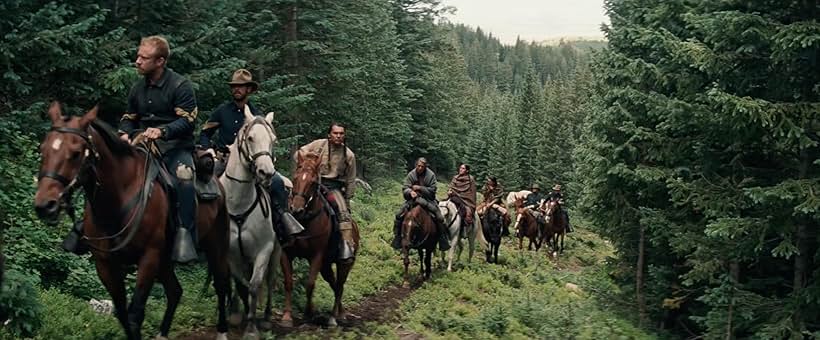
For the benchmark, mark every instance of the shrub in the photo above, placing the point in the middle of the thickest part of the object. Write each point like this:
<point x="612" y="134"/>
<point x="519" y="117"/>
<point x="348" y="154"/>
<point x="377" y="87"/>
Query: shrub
<point x="20" y="309"/>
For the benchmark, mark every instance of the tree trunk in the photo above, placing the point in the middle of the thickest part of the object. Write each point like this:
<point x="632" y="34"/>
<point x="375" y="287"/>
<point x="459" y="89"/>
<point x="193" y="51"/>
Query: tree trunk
<point x="734" y="272"/>
<point x="801" y="238"/>
<point x="639" y="278"/>
<point x="291" y="35"/>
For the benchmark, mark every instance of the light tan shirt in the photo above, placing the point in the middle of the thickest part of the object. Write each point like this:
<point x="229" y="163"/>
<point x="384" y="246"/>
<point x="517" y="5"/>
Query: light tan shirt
<point x="340" y="165"/>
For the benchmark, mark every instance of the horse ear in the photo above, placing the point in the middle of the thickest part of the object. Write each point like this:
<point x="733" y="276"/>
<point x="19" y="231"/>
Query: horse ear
<point x="299" y="156"/>
<point x="269" y="118"/>
<point x="248" y="114"/>
<point x="55" y="112"/>
<point x="90" y="116"/>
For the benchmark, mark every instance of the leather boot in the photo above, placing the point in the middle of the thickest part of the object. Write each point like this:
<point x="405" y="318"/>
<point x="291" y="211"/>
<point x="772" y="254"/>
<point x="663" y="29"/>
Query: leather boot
<point x="184" y="246"/>
<point x="346" y="249"/>
<point x="72" y="242"/>
<point x="444" y="235"/>
<point x="286" y="227"/>
<point x="396" y="244"/>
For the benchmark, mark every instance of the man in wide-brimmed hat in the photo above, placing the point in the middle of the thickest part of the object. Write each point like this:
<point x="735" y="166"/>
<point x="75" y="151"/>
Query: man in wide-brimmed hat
<point x="228" y="118"/>
<point x="535" y="197"/>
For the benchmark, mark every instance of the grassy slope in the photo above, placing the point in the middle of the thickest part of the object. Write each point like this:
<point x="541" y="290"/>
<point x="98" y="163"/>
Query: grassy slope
<point x="523" y="297"/>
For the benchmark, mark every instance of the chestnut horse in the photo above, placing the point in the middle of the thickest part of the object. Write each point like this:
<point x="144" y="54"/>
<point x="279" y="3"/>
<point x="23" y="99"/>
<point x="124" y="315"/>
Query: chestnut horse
<point x="313" y="211"/>
<point x="126" y="218"/>
<point x="555" y="226"/>
<point x="526" y="226"/>
<point x="418" y="231"/>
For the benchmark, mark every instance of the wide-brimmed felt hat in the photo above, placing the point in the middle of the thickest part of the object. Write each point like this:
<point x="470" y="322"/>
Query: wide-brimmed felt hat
<point x="535" y="186"/>
<point x="243" y="77"/>
<point x="557" y="187"/>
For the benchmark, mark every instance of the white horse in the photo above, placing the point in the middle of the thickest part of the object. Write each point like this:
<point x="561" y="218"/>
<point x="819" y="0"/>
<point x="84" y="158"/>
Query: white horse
<point x="453" y="219"/>
<point x="254" y="250"/>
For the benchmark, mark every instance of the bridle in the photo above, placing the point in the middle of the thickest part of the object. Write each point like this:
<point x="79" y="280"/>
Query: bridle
<point x="309" y="195"/>
<point x="90" y="157"/>
<point x="245" y="151"/>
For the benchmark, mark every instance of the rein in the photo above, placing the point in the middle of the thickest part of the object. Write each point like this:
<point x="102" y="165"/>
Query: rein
<point x="244" y="148"/>
<point x="139" y="201"/>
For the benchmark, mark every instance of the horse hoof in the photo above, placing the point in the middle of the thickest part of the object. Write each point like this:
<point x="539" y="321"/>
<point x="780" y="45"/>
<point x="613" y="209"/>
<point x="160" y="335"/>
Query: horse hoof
<point x="235" y="319"/>
<point x="265" y="325"/>
<point x="250" y="332"/>
<point x="286" y="323"/>
<point x="405" y="284"/>
<point x="222" y="336"/>
<point x="331" y="323"/>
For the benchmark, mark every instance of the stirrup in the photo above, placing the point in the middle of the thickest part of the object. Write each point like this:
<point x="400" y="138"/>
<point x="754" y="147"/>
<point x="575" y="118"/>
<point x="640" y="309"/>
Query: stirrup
<point x="184" y="250"/>
<point x="346" y="251"/>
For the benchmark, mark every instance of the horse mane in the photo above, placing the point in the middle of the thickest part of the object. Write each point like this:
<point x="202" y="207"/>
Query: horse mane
<point x="109" y="136"/>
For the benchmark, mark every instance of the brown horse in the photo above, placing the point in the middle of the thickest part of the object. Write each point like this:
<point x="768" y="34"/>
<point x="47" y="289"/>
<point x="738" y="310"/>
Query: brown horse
<point x="418" y="232"/>
<point x="126" y="217"/>
<point x="526" y="226"/>
<point x="313" y="211"/>
<point x="555" y="227"/>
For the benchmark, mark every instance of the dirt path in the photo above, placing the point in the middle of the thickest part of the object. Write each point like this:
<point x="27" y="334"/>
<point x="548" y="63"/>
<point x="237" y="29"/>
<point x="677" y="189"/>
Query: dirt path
<point x="380" y="307"/>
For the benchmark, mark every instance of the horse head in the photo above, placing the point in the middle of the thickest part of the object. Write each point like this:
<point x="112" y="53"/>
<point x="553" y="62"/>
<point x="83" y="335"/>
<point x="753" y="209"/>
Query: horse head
<point x="551" y="208"/>
<point x="255" y="142"/>
<point x="305" y="181"/>
<point x="66" y="152"/>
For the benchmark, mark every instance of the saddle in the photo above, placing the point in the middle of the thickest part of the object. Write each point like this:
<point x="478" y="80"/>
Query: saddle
<point x="207" y="188"/>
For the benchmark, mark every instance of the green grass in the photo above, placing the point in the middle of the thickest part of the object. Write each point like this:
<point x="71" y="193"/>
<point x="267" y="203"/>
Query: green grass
<point x="523" y="297"/>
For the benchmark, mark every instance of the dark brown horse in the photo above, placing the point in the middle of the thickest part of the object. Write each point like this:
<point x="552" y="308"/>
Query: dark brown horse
<point x="555" y="227"/>
<point x="492" y="221"/>
<point x="126" y="222"/>
<point x="526" y="226"/>
<point x="313" y="211"/>
<point x="418" y="231"/>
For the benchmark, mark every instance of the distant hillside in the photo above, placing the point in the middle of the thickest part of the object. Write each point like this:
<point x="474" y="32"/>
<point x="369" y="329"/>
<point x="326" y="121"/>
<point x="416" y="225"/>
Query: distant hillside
<point x="582" y="43"/>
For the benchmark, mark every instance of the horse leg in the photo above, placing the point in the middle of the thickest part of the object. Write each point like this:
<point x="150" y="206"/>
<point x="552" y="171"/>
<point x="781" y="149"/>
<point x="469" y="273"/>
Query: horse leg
<point x="562" y="242"/>
<point x="421" y="263"/>
<point x="146" y="272"/>
<point x="406" y="261"/>
<point x="113" y="279"/>
<point x="427" y="259"/>
<point x="315" y="266"/>
<point x="270" y="282"/>
<point x="287" y="274"/>
<point x="450" y="255"/>
<point x="218" y="268"/>
<point x="173" y="292"/>
<point x="260" y="267"/>
<point x="471" y="243"/>
<point x="342" y="271"/>
<point x="241" y="294"/>
<point x="327" y="274"/>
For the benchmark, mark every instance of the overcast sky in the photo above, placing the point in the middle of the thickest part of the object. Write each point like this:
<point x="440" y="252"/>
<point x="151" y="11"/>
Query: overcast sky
<point x="533" y="20"/>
